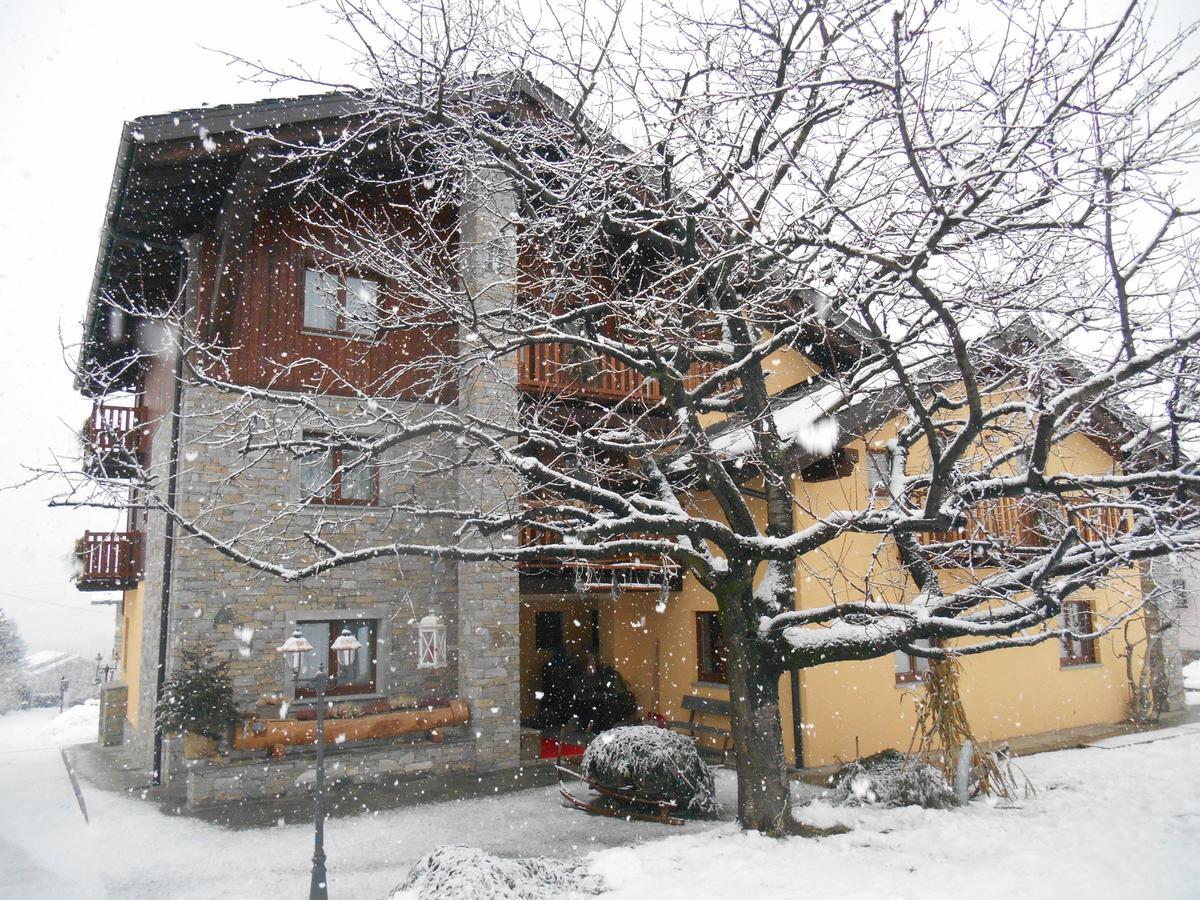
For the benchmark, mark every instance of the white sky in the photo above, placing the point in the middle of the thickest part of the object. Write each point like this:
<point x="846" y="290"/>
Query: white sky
<point x="72" y="73"/>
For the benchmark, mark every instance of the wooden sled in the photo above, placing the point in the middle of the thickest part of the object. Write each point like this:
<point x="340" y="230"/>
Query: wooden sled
<point x="617" y="804"/>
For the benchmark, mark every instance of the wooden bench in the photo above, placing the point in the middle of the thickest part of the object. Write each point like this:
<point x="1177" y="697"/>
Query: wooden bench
<point x="706" y="706"/>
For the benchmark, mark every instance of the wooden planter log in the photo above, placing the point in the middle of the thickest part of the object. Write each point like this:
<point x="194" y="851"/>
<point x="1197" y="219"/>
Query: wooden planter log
<point x="274" y="734"/>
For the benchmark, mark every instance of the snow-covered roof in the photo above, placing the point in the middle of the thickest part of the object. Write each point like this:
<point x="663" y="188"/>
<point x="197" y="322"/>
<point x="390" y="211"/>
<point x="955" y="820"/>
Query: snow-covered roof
<point x="47" y="660"/>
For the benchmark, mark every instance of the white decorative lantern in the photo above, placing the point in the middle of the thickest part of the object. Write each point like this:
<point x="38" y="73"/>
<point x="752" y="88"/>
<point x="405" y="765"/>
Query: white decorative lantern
<point x="346" y="646"/>
<point x="294" y="648"/>
<point x="431" y="643"/>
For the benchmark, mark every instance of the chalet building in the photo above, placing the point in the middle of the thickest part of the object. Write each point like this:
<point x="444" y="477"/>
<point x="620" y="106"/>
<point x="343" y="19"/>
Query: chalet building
<point x="191" y="209"/>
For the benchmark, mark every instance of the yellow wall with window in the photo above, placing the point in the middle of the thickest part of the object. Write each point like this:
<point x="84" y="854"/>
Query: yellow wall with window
<point x="857" y="707"/>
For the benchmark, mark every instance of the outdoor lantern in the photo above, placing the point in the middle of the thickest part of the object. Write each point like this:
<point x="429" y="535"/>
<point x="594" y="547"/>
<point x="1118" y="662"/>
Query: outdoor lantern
<point x="293" y="650"/>
<point x="431" y="643"/>
<point x="345" y="647"/>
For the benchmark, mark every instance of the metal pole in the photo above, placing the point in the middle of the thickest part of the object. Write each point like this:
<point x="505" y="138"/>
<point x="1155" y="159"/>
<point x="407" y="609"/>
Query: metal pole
<point x="317" y="889"/>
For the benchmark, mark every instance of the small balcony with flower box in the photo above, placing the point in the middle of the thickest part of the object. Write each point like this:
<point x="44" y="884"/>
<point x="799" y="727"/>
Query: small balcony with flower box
<point x="115" y="441"/>
<point x="109" y="560"/>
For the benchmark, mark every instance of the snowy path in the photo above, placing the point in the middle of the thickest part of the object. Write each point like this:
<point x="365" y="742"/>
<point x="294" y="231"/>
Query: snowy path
<point x="1122" y="822"/>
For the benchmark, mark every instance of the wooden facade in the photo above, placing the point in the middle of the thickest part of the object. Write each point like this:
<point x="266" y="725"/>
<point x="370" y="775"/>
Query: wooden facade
<point x="266" y="344"/>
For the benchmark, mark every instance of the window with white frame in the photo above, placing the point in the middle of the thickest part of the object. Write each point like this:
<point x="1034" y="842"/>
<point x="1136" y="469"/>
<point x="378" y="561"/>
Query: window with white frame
<point x="909" y="667"/>
<point x="340" y="304"/>
<point x="1077" y="650"/>
<point x="879" y="472"/>
<point x="431" y="643"/>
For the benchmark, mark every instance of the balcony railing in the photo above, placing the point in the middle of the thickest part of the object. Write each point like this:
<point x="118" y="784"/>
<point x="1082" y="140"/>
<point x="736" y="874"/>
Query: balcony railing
<point x="570" y="370"/>
<point x="115" y="440"/>
<point x="995" y="530"/>
<point x="109" y="560"/>
<point x="1100" y="523"/>
<point x="1003" y="530"/>
<point x="619" y="572"/>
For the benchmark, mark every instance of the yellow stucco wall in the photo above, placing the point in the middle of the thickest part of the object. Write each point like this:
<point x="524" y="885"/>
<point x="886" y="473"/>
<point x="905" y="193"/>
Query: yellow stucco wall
<point x="131" y="648"/>
<point x="857" y="706"/>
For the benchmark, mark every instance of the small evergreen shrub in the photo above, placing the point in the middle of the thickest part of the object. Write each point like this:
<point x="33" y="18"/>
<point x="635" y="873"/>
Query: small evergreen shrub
<point x="198" y="698"/>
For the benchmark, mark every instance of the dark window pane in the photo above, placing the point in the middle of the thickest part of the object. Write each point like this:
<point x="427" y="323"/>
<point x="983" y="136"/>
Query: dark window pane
<point x="548" y="630"/>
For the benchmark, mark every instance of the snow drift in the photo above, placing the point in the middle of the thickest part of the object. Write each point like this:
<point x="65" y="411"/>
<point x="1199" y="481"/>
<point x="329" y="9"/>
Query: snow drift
<point x="467" y="873"/>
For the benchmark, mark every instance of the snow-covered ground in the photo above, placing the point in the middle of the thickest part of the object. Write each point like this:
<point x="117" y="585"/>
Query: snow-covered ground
<point x="1191" y="683"/>
<point x="1121" y="822"/>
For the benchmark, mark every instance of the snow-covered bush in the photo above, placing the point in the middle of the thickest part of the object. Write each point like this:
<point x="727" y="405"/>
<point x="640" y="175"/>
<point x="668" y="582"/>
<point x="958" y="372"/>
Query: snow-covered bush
<point x="891" y="778"/>
<point x="652" y="764"/>
<point x="466" y="873"/>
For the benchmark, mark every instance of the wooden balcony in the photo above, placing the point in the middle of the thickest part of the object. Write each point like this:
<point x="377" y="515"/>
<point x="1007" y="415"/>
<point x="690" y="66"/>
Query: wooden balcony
<point x="115" y="441"/>
<point x="109" y="560"/>
<point x="996" y="532"/>
<point x="568" y="370"/>
<point x="1100" y="523"/>
<point x="598" y="576"/>
<point x="1003" y="531"/>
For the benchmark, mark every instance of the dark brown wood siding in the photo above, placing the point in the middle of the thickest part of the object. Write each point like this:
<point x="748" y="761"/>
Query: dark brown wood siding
<point x="267" y="344"/>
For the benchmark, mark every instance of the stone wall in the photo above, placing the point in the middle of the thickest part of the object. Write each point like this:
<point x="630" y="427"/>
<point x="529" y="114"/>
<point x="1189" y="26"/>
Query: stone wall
<point x="205" y="782"/>
<point x="489" y="592"/>
<point x="113" y="701"/>
<point x="242" y="615"/>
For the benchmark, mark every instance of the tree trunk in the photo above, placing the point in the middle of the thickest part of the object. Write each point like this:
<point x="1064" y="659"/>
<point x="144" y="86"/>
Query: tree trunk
<point x="764" y="800"/>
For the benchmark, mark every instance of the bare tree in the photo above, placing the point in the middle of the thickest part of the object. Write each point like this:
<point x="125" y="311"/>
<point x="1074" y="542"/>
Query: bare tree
<point x="962" y="217"/>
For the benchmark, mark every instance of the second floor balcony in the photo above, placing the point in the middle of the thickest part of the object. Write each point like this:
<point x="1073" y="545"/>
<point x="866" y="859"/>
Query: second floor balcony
<point x="115" y="440"/>
<point x="999" y="532"/>
<point x="109" y="560"/>
<point x="568" y="370"/>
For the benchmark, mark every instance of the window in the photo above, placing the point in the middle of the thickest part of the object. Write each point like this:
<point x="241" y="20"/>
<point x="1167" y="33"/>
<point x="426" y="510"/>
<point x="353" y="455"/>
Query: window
<point x="360" y="677"/>
<point x="338" y="475"/>
<point x="911" y="669"/>
<point x="341" y="304"/>
<point x="879" y="474"/>
<point x="1077" y="620"/>
<point x="548" y="629"/>
<point x="1180" y="591"/>
<point x="710" y="648"/>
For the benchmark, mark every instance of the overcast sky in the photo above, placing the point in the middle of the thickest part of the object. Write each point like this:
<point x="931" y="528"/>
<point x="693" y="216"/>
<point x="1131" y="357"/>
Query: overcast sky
<point x="72" y="73"/>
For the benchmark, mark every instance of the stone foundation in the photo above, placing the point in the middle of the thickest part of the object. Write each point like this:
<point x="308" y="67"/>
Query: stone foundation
<point x="114" y="701"/>
<point x="204" y="782"/>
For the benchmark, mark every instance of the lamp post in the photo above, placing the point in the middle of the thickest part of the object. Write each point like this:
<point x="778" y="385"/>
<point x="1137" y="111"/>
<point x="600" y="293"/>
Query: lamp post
<point x="63" y="684"/>
<point x="293" y="649"/>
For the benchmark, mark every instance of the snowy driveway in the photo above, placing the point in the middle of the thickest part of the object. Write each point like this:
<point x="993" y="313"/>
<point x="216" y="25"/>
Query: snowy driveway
<point x="1121" y="823"/>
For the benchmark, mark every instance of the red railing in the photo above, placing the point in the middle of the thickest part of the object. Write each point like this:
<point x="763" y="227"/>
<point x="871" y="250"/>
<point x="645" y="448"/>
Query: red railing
<point x="109" y="560"/>
<point x="115" y="438"/>
<point x="562" y="368"/>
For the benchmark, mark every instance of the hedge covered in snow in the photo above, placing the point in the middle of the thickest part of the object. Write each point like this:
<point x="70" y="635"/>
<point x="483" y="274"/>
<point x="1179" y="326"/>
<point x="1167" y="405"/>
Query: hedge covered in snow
<point x="653" y="764"/>
<point x="891" y="778"/>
